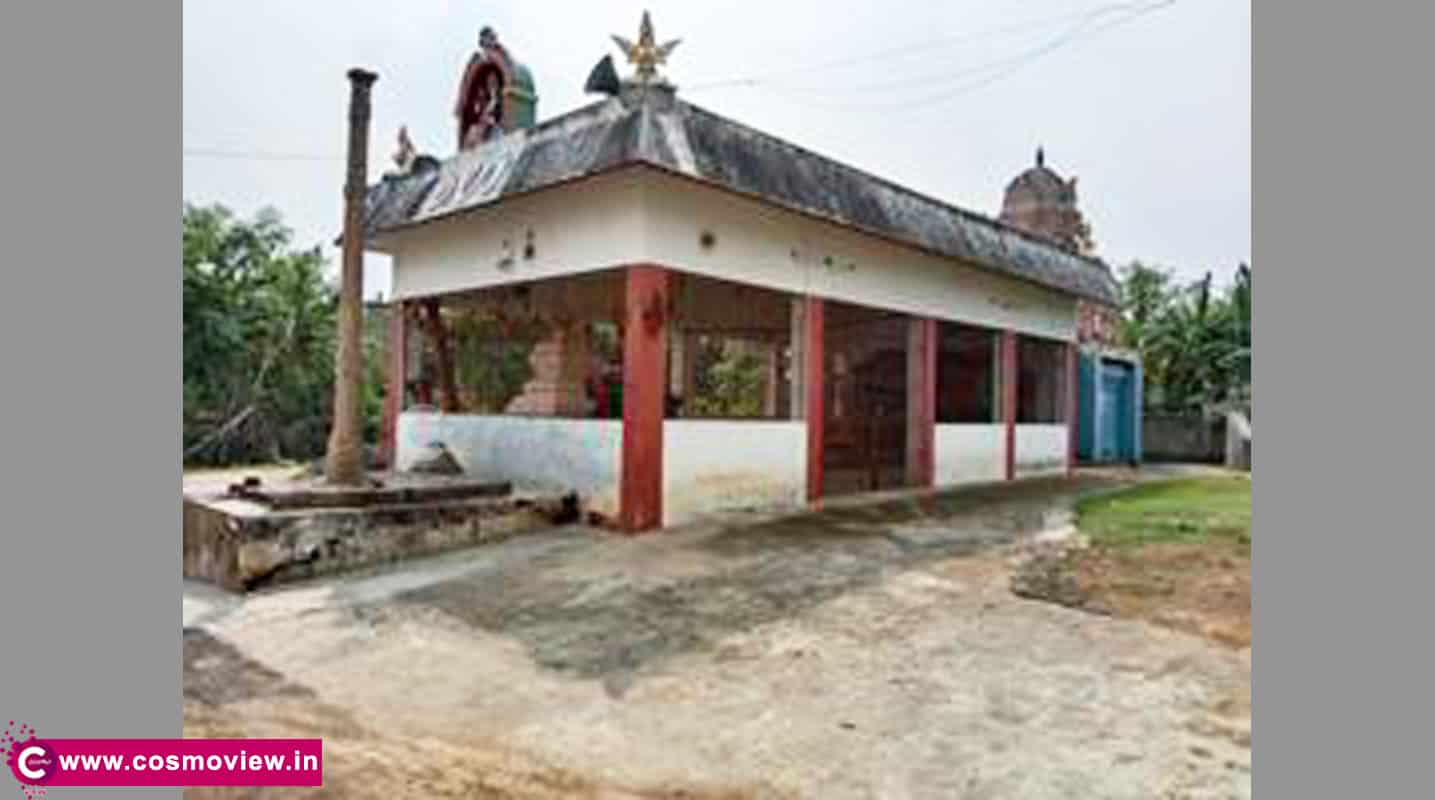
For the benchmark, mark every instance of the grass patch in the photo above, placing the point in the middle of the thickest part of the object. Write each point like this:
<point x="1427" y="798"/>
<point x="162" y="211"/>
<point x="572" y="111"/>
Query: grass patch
<point x="1189" y="510"/>
<point x="1175" y="553"/>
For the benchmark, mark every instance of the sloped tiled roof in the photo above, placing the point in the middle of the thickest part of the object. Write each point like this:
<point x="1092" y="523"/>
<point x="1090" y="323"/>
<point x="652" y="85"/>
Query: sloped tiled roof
<point x="651" y="127"/>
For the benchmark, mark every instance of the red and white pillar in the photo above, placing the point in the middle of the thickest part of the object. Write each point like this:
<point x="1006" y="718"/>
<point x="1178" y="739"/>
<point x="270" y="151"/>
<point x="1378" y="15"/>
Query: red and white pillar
<point x="1009" y="388"/>
<point x="398" y="349"/>
<point x="814" y="392"/>
<point x="922" y="402"/>
<point x="645" y="346"/>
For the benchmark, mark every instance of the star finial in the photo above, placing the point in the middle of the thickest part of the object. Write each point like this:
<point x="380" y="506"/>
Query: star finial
<point x="647" y="54"/>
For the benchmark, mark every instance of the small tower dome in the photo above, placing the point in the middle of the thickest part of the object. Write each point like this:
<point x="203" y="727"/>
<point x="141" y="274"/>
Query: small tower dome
<point x="1041" y="202"/>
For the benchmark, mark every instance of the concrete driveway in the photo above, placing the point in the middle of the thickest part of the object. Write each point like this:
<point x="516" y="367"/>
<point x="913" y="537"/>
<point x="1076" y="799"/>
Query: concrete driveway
<point x="866" y="651"/>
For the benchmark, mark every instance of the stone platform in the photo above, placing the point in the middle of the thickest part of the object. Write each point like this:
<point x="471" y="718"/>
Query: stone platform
<point x="261" y="531"/>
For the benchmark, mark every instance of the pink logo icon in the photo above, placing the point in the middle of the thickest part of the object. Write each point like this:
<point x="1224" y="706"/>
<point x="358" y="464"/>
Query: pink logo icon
<point x="31" y="761"/>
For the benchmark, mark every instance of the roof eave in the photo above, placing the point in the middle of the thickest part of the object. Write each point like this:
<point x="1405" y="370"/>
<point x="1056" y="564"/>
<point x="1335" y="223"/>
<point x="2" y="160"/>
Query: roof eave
<point x="385" y="240"/>
<point x="886" y="236"/>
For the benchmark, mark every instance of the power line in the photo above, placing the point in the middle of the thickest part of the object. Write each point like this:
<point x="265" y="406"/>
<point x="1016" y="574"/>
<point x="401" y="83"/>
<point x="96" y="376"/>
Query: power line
<point x="1035" y="55"/>
<point x="945" y="76"/>
<point x="922" y="46"/>
<point x="998" y="69"/>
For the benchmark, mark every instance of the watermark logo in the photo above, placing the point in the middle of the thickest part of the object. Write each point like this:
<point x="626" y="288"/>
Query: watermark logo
<point x="39" y="765"/>
<point x="31" y="761"/>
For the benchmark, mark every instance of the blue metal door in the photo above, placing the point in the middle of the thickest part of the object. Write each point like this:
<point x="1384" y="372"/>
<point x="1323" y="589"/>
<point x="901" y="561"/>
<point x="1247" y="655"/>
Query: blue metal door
<point x="1116" y="430"/>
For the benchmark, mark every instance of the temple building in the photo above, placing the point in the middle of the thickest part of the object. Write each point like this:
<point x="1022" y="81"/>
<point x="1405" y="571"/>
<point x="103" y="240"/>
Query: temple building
<point x="672" y="313"/>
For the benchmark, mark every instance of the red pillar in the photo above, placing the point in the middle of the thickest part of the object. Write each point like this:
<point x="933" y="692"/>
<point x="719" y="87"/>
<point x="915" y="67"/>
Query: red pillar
<point x="1009" y="387"/>
<point x="1072" y="413"/>
<point x="398" y="371"/>
<point x="815" y="392"/>
<point x="922" y="402"/>
<point x="645" y="347"/>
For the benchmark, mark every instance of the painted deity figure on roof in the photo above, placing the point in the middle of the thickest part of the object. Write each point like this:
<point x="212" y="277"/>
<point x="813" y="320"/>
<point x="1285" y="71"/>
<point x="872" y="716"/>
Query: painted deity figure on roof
<point x="406" y="153"/>
<point x="480" y="96"/>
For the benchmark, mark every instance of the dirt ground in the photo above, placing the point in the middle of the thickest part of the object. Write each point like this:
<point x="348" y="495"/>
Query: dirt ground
<point x="1175" y="553"/>
<point x="867" y="651"/>
<point x="1198" y="588"/>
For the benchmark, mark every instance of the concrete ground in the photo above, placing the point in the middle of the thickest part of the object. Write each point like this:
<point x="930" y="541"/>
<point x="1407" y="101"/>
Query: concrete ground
<point x="866" y="651"/>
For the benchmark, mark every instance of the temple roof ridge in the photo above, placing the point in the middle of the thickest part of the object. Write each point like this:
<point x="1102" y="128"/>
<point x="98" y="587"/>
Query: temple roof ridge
<point x="648" y="125"/>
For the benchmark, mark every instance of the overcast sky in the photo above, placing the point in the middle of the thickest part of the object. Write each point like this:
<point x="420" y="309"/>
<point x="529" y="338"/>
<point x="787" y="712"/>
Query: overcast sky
<point x="1153" y="114"/>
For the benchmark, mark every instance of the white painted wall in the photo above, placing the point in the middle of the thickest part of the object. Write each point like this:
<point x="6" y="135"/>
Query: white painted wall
<point x="640" y="215"/>
<point x="716" y="465"/>
<point x="970" y="453"/>
<point x="535" y="453"/>
<point x="593" y="224"/>
<point x="1040" y="450"/>
<point x="766" y="246"/>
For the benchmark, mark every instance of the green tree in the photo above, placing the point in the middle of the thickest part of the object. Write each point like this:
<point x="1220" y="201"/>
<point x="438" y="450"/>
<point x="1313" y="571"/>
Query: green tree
<point x="259" y="328"/>
<point x="1195" y="342"/>
<point x="1145" y="291"/>
<point x="1241" y="332"/>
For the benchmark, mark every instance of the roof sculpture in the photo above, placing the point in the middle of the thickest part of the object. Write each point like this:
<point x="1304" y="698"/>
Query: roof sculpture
<point x="646" y="54"/>
<point x="495" y="94"/>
